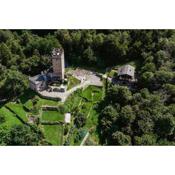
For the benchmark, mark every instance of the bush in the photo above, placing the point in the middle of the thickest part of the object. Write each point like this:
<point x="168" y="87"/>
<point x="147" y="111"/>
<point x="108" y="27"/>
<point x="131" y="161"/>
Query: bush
<point x="80" y="120"/>
<point x="61" y="109"/>
<point x="66" y="129"/>
<point x="2" y="119"/>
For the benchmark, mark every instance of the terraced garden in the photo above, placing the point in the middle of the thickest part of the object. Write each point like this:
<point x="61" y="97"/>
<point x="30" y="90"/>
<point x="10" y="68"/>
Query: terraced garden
<point x="84" y="101"/>
<point x="81" y="101"/>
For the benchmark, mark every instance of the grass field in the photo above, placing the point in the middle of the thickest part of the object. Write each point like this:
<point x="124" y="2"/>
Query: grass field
<point x="52" y="116"/>
<point x="10" y="118"/>
<point x="72" y="82"/>
<point x="53" y="134"/>
<point x="19" y="110"/>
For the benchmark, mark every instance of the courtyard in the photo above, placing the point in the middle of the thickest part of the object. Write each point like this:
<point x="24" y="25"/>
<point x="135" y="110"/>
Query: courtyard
<point x="82" y="79"/>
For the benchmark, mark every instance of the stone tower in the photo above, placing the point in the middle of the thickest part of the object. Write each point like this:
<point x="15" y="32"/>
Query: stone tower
<point x="58" y="63"/>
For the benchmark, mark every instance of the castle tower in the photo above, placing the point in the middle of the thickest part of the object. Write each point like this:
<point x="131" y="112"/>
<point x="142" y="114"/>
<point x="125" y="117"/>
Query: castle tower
<point x="58" y="63"/>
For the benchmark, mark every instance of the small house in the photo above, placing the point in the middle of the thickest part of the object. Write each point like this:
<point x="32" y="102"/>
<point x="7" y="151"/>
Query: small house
<point x="126" y="73"/>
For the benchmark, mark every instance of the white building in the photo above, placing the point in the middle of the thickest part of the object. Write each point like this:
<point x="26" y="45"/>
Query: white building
<point x="67" y="118"/>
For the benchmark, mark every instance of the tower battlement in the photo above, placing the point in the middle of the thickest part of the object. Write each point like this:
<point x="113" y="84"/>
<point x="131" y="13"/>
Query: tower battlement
<point x="57" y="52"/>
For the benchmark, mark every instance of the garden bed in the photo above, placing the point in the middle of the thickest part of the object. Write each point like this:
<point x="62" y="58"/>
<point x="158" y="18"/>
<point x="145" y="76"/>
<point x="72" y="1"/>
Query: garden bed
<point x="52" y="116"/>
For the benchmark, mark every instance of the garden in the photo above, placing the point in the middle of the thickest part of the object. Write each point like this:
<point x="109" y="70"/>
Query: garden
<point x="81" y="104"/>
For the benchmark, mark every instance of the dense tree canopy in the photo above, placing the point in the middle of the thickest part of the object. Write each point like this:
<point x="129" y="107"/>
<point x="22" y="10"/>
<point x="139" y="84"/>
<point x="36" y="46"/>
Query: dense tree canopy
<point x="19" y="135"/>
<point x="145" y="120"/>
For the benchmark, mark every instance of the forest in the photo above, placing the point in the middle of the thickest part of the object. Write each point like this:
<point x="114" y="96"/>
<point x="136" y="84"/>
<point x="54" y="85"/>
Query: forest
<point x="143" y="116"/>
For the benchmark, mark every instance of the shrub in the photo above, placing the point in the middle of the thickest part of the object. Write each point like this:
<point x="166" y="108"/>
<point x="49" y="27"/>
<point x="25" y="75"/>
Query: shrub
<point x="2" y="119"/>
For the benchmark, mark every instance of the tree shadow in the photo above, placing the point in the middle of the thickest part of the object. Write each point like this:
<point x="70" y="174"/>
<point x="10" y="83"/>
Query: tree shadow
<point x="28" y="94"/>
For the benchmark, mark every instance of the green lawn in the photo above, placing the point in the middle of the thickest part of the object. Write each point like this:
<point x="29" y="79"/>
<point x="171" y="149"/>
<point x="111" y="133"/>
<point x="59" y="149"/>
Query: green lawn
<point x="52" y="116"/>
<point x="72" y="82"/>
<point x="10" y="118"/>
<point x="19" y="110"/>
<point x="87" y="93"/>
<point x="43" y="101"/>
<point x="73" y="100"/>
<point x="53" y="134"/>
<point x="92" y="93"/>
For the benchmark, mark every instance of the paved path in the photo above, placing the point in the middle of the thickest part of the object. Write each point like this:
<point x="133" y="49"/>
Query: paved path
<point x="82" y="85"/>
<point x="84" y="139"/>
<point x="63" y="95"/>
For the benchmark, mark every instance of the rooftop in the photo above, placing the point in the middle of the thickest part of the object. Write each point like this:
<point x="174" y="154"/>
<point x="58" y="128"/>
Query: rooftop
<point x="126" y="70"/>
<point x="67" y="118"/>
<point x="38" y="78"/>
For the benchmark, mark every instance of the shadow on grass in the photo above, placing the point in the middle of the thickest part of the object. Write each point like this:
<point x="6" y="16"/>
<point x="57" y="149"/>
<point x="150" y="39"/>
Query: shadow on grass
<point x="28" y="94"/>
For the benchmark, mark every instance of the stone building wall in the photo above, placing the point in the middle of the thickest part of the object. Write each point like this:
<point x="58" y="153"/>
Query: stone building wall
<point x="58" y="63"/>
